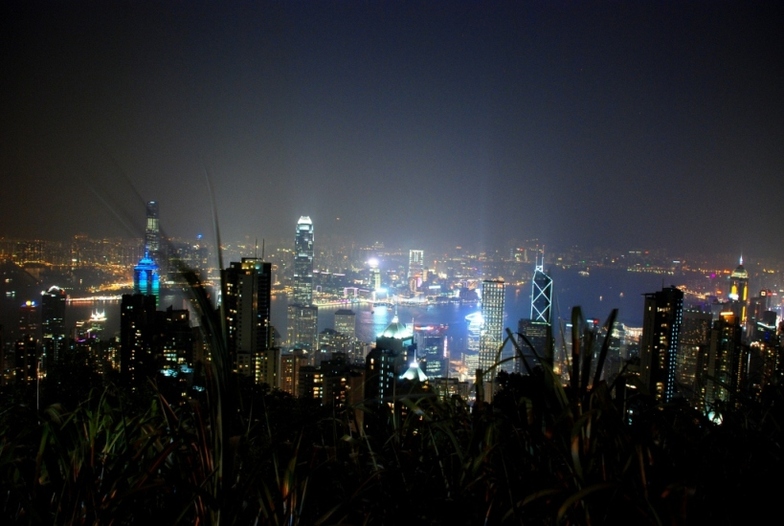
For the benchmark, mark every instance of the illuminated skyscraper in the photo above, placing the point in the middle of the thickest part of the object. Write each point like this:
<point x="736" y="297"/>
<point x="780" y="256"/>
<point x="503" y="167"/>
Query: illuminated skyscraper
<point x="303" y="327"/>
<point x="536" y="327"/>
<point x="722" y="374"/>
<point x="303" y="263"/>
<point x="152" y="233"/>
<point x="695" y="335"/>
<point x="739" y="292"/>
<point x="758" y="306"/>
<point x="247" y="301"/>
<point x="386" y="360"/>
<point x="302" y="315"/>
<point x="765" y="353"/>
<point x="432" y="346"/>
<point x="659" y="343"/>
<point x="145" y="278"/>
<point x="541" y="295"/>
<point x="53" y="304"/>
<point x="346" y="325"/>
<point x="374" y="279"/>
<point x="492" y="332"/>
<point x="346" y="322"/>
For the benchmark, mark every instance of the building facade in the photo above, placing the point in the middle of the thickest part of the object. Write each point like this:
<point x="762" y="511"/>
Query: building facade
<point x="302" y="283"/>
<point x="53" y="340"/>
<point x="491" y="334"/>
<point x="247" y="303"/>
<point x="146" y="278"/>
<point x="662" y="320"/>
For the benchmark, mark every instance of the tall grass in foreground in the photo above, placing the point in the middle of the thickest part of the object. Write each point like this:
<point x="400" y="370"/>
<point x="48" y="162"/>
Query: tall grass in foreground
<point x="540" y="453"/>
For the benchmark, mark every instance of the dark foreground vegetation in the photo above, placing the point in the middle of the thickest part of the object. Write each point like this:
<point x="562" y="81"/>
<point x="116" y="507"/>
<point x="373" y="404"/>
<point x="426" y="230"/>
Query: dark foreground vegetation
<point x="540" y="453"/>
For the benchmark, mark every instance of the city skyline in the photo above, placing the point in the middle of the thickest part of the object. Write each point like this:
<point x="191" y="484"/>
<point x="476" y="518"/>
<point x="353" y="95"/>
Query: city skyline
<point x="633" y="125"/>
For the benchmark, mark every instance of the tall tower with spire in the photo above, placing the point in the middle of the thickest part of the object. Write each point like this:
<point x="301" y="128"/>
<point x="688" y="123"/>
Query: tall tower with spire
<point x="739" y="292"/>
<point x="152" y="232"/>
<point x="536" y="327"/>
<point x="146" y="274"/>
<point x="541" y="294"/>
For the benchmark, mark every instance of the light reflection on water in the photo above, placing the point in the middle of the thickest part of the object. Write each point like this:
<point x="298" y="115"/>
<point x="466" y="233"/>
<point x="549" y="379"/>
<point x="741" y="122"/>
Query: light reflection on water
<point x="598" y="294"/>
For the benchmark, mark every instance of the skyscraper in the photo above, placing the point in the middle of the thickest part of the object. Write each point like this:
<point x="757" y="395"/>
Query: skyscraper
<point x="303" y="263"/>
<point x="137" y="322"/>
<point x="346" y="325"/>
<point x="302" y="315"/>
<point x="152" y="233"/>
<point x="346" y="322"/>
<point x="541" y="295"/>
<point x="146" y="280"/>
<point x="695" y="335"/>
<point x="53" y="303"/>
<point x="385" y="361"/>
<point x="374" y="275"/>
<point x="247" y="301"/>
<point x="536" y="327"/>
<point x="662" y="320"/>
<point x="739" y="292"/>
<point x="723" y="370"/>
<point x="416" y="263"/>
<point x="492" y="332"/>
<point x="303" y="327"/>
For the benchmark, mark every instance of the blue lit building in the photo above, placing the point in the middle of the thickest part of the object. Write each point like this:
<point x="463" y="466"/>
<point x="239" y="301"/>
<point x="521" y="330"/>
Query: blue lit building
<point x="145" y="278"/>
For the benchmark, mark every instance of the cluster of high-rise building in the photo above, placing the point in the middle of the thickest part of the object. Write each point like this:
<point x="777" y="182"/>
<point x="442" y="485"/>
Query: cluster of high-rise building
<point x="706" y="354"/>
<point x="709" y="354"/>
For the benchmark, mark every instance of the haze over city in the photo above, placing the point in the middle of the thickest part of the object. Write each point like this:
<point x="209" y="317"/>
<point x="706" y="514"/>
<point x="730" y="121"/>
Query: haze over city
<point x="638" y="124"/>
<point x="391" y="262"/>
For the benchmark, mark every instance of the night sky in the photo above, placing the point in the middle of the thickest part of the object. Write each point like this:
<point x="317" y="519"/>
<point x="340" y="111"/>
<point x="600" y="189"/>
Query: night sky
<point x="618" y="124"/>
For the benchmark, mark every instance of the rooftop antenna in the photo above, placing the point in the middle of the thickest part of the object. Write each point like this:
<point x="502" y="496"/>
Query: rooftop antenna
<point x="256" y="249"/>
<point x="262" y="249"/>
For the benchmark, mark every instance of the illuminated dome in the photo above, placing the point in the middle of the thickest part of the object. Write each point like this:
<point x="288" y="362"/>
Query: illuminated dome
<point x="414" y="372"/>
<point x="475" y="319"/>
<point x="146" y="261"/>
<point x="740" y="273"/>
<point x="396" y="329"/>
